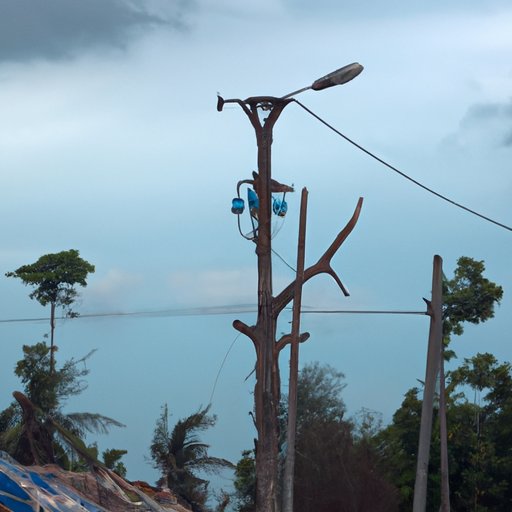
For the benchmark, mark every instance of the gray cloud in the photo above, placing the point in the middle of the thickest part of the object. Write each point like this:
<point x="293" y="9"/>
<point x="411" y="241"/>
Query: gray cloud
<point x="494" y="118"/>
<point x="486" y="111"/>
<point x="57" y="29"/>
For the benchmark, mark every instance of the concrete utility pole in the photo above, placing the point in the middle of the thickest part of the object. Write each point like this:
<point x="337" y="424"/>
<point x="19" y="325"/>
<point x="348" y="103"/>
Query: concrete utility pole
<point x="263" y="334"/>
<point x="435" y="340"/>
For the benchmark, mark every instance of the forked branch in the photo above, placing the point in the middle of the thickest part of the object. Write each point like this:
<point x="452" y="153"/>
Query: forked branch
<point x="322" y="266"/>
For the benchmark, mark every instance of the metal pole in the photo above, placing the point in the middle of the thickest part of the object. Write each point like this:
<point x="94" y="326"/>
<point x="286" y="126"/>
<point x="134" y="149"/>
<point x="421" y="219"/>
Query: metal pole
<point x="289" y="467"/>
<point x="433" y="360"/>
<point x="445" y="476"/>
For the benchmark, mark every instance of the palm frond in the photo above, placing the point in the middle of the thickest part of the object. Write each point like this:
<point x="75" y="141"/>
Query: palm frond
<point x="92" y="422"/>
<point x="185" y="431"/>
<point x="75" y="443"/>
<point x="211" y="465"/>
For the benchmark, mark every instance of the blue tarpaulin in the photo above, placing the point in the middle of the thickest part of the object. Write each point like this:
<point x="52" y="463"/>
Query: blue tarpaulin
<point x="52" y="489"/>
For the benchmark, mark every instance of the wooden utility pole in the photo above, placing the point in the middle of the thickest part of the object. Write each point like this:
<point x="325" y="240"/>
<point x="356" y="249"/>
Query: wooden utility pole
<point x="435" y="311"/>
<point x="263" y="335"/>
<point x="289" y="466"/>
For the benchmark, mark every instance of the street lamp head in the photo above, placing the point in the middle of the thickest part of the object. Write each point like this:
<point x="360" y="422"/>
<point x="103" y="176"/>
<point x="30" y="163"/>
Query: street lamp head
<point x="338" y="77"/>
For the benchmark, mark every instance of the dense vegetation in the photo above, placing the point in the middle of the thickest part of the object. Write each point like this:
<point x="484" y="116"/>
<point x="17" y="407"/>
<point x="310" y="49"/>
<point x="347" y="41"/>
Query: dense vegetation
<point x="355" y="464"/>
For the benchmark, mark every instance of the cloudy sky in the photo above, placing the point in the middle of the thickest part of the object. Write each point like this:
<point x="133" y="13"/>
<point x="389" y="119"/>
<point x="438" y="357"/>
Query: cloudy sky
<point x="110" y="143"/>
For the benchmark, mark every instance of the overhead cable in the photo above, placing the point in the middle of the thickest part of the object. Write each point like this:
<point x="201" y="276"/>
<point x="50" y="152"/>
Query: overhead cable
<point x="201" y="311"/>
<point x="389" y="166"/>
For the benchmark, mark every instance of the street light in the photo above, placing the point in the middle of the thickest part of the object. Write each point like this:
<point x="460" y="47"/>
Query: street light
<point x="338" y="77"/>
<point x="263" y="334"/>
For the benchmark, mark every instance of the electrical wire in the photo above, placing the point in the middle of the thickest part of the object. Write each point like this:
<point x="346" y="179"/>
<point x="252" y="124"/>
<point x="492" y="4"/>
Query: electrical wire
<point x="222" y="366"/>
<point x="284" y="261"/>
<point x="389" y="166"/>
<point x="200" y="311"/>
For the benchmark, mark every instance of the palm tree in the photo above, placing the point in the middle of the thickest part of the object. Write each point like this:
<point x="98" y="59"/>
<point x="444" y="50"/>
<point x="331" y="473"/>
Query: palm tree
<point x="180" y="454"/>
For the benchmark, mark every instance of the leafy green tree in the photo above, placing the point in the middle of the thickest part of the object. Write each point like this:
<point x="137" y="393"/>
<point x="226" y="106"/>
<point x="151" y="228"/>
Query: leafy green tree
<point x="468" y="297"/>
<point x="50" y="391"/>
<point x="485" y="478"/>
<point x="33" y="429"/>
<point x="245" y="482"/>
<point x="54" y="278"/>
<point x="319" y="393"/>
<point x="479" y="414"/>
<point x="180" y="454"/>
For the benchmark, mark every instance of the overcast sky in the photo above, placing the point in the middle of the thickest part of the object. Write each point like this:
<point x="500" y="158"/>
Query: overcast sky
<point x="110" y="143"/>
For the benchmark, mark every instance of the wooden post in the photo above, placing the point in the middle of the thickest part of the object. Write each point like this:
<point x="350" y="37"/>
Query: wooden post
<point x="289" y="467"/>
<point x="445" y="477"/>
<point x="433" y="360"/>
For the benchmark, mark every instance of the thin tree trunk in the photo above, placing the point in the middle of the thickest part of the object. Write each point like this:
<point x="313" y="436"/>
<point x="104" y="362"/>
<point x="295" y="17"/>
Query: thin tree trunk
<point x="52" y="329"/>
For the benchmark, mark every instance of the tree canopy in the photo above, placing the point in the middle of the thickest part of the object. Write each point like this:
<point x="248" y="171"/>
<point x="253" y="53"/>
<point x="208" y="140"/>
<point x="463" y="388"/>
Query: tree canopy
<point x="468" y="296"/>
<point x="54" y="277"/>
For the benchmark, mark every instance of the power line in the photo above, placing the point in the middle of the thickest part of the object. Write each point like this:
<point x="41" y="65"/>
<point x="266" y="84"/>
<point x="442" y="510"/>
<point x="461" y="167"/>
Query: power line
<point x="363" y="312"/>
<point x="389" y="166"/>
<point x="202" y="311"/>
<point x="198" y="311"/>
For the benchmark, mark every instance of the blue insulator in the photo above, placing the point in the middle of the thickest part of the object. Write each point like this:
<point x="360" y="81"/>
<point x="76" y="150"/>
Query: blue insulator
<point x="237" y="205"/>
<point x="280" y="207"/>
<point x="254" y="202"/>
